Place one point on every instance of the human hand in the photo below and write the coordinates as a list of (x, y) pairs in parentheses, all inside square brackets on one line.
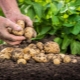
[(5, 35), (19, 16)]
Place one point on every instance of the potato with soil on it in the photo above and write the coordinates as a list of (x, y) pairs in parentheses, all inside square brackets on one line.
[(21, 61), (40, 45), (51, 47), (40, 58), (21, 32), (29, 33), (31, 51), (32, 45), (17, 53), (7, 50), (56, 61), (50, 56), (27, 56), (67, 59)]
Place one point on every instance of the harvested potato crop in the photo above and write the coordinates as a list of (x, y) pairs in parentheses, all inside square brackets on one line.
[(27, 56), (17, 53), (62, 55), (50, 56), (74, 61), (21, 32), (40, 57), (29, 33), (30, 51), (40, 45), (32, 46), (7, 50), (21, 61), (4, 56), (51, 47), (66, 59), (56, 61)]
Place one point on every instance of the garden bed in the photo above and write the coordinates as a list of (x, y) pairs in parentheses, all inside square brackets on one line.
[(10, 70)]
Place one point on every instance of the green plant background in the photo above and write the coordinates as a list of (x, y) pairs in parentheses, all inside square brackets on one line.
[(60, 18)]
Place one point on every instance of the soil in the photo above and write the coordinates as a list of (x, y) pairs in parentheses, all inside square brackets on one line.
[(9, 70)]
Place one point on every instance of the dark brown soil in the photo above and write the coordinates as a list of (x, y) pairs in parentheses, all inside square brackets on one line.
[(39, 71)]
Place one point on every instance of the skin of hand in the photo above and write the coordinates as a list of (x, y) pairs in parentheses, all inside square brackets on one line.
[(5, 35), (12, 13)]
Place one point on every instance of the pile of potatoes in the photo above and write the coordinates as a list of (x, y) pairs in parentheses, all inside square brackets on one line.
[(28, 32), (40, 52)]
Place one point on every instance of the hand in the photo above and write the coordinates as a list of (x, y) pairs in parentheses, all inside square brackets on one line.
[(5, 35), (18, 16)]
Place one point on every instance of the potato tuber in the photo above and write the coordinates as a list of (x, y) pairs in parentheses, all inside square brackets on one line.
[(21, 61), (56, 61), (27, 56), (29, 33), (51, 47), (21, 32), (17, 53)]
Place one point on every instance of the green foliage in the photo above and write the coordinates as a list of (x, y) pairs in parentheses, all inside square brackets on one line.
[(60, 18)]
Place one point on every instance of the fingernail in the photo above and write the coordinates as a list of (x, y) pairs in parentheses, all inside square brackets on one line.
[(19, 28)]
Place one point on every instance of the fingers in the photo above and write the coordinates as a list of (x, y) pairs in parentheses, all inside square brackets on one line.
[(12, 43), (28, 21), (6, 35), (12, 25)]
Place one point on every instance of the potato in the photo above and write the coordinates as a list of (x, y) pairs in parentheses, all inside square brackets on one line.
[(7, 51), (40, 45), (74, 61), (51, 47), (21, 32), (40, 57), (27, 56), (21, 61), (29, 33), (66, 59), (17, 53), (56, 61), (62, 55), (32, 45), (50, 56), (30, 51), (4, 56)]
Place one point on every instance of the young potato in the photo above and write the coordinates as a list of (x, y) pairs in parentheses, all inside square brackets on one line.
[(21, 32), (62, 55), (17, 53), (40, 45), (7, 50), (32, 45), (66, 59), (56, 61), (30, 51), (51, 47), (40, 57), (21, 61), (50, 56), (74, 61), (29, 33), (27, 56)]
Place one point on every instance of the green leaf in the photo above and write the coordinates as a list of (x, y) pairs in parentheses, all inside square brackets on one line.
[(58, 40), (75, 47), (38, 9), (67, 24), (76, 29), (66, 43)]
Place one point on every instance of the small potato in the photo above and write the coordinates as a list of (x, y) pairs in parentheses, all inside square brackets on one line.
[(21, 61), (29, 33), (30, 51), (27, 56), (51, 47), (17, 53), (67, 59), (50, 56), (32, 46), (40, 57), (40, 45), (4, 56), (7, 51), (22, 25), (74, 61), (62, 55), (56, 61)]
